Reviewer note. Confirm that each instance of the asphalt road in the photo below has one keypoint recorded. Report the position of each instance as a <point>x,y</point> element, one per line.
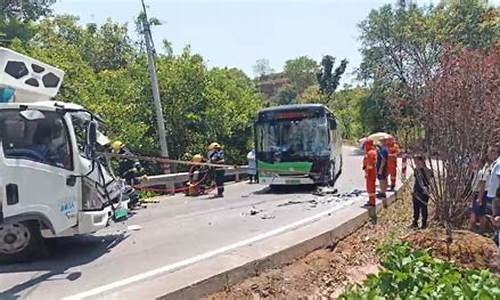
<point>174,230</point>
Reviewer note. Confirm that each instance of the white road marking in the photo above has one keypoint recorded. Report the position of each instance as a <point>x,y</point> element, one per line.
<point>197,258</point>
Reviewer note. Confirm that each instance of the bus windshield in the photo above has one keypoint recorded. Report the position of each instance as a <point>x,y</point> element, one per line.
<point>291,140</point>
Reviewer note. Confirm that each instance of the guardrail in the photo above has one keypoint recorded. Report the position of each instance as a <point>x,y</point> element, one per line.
<point>166,179</point>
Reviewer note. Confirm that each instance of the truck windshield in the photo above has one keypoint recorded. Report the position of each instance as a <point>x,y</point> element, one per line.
<point>291,140</point>
<point>42,140</point>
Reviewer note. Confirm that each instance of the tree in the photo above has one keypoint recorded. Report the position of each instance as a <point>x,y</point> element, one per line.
<point>262,67</point>
<point>17,17</point>
<point>287,94</point>
<point>402,47</point>
<point>301,72</point>
<point>327,78</point>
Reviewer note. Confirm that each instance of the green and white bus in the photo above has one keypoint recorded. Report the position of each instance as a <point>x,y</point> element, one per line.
<point>298,145</point>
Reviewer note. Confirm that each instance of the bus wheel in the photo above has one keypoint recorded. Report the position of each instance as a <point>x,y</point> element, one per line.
<point>20,241</point>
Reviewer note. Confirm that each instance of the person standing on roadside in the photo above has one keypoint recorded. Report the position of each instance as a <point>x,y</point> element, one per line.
<point>252,166</point>
<point>216,156</point>
<point>493,183</point>
<point>369,166</point>
<point>382,158</point>
<point>479,199</point>
<point>421,192</point>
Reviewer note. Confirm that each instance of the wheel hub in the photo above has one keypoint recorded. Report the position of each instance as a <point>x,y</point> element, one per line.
<point>13,238</point>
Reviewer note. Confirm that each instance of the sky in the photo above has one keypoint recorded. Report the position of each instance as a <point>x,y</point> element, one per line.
<point>236,33</point>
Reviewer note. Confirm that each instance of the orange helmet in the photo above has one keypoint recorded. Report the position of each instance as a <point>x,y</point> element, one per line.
<point>369,144</point>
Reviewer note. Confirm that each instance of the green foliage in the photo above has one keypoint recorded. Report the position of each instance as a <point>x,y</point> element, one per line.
<point>301,72</point>
<point>287,94</point>
<point>409,274</point>
<point>17,17</point>
<point>329,79</point>
<point>347,105</point>
<point>402,47</point>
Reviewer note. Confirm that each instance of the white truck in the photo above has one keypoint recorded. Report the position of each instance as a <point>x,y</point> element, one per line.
<point>52,182</point>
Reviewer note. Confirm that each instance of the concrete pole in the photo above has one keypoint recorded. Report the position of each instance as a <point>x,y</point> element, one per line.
<point>154,86</point>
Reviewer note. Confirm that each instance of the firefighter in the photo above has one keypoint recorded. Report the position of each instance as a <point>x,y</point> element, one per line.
<point>369,166</point>
<point>392,163</point>
<point>216,156</point>
<point>196,185</point>
<point>129,170</point>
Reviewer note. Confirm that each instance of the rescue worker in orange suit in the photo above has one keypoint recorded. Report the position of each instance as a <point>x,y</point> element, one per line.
<point>196,184</point>
<point>370,168</point>
<point>392,163</point>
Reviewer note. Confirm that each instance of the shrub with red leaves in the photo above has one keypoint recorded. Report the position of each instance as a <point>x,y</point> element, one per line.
<point>457,117</point>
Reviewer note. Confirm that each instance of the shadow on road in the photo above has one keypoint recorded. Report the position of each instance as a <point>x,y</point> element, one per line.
<point>286,189</point>
<point>65,253</point>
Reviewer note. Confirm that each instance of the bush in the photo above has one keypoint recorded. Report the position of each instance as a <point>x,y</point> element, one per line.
<point>410,274</point>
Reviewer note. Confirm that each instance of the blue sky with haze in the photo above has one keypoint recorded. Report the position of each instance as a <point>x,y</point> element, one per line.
<point>237,33</point>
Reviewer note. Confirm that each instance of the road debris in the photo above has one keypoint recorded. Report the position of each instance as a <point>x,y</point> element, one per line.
<point>267,217</point>
<point>325,190</point>
<point>134,227</point>
<point>290,202</point>
<point>252,212</point>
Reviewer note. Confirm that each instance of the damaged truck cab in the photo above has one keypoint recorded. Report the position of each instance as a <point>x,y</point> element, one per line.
<point>52,182</point>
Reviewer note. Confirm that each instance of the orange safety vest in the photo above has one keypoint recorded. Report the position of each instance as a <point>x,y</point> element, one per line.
<point>370,160</point>
<point>393,155</point>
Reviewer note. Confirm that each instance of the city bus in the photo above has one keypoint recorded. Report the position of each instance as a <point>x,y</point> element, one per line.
<point>298,145</point>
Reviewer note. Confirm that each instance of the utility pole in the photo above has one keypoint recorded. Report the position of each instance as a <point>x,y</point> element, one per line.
<point>146,30</point>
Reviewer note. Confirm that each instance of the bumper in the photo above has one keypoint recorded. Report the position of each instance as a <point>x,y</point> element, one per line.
<point>92,221</point>
<point>285,180</point>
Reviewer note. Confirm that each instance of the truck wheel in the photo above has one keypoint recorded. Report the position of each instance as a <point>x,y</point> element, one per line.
<point>20,241</point>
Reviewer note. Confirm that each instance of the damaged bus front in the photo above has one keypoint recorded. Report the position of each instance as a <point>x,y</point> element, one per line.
<point>298,144</point>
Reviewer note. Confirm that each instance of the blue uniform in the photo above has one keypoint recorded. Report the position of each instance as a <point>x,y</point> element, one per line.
<point>217,157</point>
<point>382,154</point>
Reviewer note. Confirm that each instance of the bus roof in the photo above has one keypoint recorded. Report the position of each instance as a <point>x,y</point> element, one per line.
<point>295,107</point>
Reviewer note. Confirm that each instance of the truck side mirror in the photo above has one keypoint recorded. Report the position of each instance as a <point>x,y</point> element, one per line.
<point>92,134</point>
<point>333,124</point>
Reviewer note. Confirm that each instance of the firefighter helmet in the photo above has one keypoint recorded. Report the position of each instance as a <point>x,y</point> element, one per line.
<point>117,146</point>
<point>197,158</point>
<point>213,146</point>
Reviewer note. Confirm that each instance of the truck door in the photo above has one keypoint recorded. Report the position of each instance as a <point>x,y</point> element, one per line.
<point>37,164</point>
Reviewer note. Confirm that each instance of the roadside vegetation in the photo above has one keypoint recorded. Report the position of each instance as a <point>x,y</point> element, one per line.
<point>414,274</point>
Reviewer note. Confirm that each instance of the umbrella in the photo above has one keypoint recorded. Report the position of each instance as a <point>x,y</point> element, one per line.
<point>379,136</point>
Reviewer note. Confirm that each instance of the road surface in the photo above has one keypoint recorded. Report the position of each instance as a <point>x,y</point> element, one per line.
<point>172,233</point>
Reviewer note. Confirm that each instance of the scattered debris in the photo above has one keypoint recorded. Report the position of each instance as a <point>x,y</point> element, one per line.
<point>150,200</point>
<point>252,212</point>
<point>354,193</point>
<point>324,273</point>
<point>134,227</point>
<point>325,190</point>
<point>291,202</point>
<point>267,217</point>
